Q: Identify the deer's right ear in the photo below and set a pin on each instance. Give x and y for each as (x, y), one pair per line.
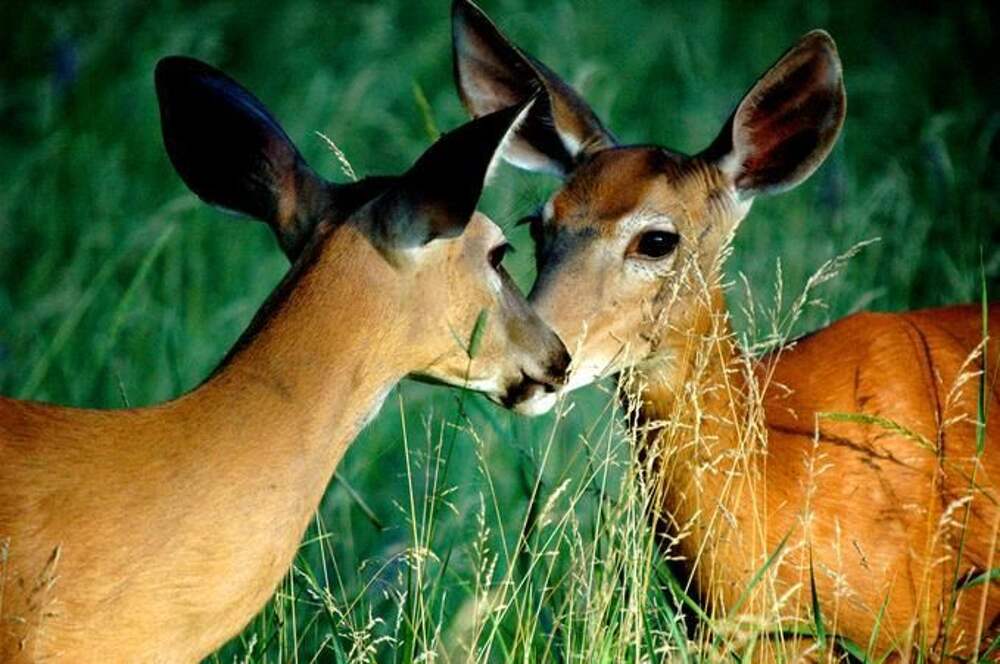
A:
(492, 73)
(437, 196)
(787, 123)
(232, 153)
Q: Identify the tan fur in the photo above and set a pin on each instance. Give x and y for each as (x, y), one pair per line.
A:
(155, 534)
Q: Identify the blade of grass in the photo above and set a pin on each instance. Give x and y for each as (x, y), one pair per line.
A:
(818, 625)
(876, 628)
(426, 112)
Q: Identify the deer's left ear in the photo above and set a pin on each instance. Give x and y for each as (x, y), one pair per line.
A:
(787, 123)
(492, 73)
(232, 153)
(437, 196)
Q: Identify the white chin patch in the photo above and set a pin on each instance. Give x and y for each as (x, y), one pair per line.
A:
(536, 405)
(584, 375)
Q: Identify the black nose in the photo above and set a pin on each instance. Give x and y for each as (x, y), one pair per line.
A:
(558, 368)
(527, 388)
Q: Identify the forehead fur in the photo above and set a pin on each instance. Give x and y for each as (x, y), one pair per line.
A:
(620, 181)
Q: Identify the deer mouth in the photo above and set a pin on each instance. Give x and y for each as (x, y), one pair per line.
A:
(531, 396)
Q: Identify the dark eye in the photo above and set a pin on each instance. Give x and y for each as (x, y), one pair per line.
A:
(498, 253)
(656, 244)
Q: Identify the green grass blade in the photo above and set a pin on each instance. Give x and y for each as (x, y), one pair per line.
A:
(478, 330)
(988, 576)
(426, 112)
(818, 625)
(876, 628)
(981, 405)
(759, 574)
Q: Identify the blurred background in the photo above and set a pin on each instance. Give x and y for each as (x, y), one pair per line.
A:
(118, 287)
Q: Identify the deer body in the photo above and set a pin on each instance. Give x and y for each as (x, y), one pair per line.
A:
(156, 534)
(855, 446)
(164, 554)
(868, 500)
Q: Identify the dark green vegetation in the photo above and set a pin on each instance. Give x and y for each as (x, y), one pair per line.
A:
(118, 287)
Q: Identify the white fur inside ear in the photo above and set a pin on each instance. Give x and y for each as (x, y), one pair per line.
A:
(504, 145)
(730, 164)
(528, 159)
(570, 142)
(732, 167)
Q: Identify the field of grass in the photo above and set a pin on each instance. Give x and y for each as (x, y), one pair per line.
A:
(453, 523)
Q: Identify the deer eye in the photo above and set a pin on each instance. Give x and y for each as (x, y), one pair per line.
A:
(655, 244)
(498, 253)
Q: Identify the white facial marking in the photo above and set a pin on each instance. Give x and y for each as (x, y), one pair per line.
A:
(742, 206)
(549, 210)
(539, 404)
(493, 280)
(588, 371)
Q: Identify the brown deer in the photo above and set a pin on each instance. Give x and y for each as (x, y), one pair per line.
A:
(853, 452)
(155, 534)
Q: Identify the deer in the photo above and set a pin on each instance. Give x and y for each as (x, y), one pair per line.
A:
(848, 454)
(155, 534)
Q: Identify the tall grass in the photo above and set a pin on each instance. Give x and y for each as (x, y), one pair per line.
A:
(459, 532)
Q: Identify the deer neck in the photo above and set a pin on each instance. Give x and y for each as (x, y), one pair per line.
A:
(315, 362)
(691, 410)
(277, 419)
(692, 378)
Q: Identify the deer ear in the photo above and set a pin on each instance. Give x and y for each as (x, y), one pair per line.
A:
(437, 197)
(232, 153)
(492, 73)
(787, 123)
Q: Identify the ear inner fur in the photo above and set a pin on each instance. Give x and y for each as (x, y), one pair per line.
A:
(234, 154)
(787, 123)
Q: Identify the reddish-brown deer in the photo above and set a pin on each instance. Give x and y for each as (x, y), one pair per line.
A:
(629, 255)
(155, 534)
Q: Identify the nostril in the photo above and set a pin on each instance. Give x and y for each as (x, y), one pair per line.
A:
(559, 366)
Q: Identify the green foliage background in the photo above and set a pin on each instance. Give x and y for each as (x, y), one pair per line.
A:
(118, 286)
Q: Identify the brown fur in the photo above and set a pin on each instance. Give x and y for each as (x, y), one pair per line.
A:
(872, 519)
(874, 514)
(740, 450)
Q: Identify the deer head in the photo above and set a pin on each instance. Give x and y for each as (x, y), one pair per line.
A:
(414, 242)
(626, 248)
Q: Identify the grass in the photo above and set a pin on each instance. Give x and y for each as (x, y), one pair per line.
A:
(457, 523)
